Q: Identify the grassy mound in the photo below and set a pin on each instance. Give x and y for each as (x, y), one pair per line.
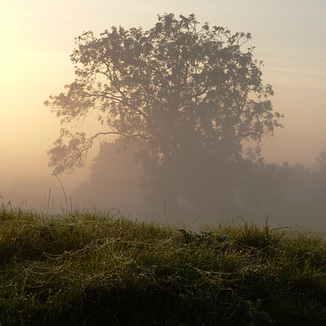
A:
(92, 268)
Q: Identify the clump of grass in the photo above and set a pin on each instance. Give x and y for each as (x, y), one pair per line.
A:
(95, 268)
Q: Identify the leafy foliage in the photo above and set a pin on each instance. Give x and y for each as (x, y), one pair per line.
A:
(173, 86)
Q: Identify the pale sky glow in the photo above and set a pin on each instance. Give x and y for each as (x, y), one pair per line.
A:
(37, 38)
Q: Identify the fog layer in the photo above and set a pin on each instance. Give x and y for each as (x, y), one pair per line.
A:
(189, 110)
(285, 195)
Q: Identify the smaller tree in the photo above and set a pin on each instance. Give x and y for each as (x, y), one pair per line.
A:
(114, 179)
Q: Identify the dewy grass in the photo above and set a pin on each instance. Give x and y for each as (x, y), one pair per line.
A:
(94, 268)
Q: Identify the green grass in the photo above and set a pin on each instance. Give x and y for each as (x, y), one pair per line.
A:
(94, 268)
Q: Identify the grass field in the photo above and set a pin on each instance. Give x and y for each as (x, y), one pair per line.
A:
(94, 268)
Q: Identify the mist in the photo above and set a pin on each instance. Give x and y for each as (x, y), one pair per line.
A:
(285, 195)
(284, 183)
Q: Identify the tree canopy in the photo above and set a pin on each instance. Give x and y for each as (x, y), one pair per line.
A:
(177, 87)
(188, 98)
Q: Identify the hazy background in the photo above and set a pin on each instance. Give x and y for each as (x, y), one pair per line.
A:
(37, 38)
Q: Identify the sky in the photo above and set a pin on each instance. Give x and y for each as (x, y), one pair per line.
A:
(37, 38)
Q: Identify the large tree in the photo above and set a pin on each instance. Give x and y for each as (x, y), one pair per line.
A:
(185, 91)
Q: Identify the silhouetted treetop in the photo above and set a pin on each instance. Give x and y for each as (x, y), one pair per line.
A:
(177, 82)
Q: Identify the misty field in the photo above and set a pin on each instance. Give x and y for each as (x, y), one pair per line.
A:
(94, 268)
